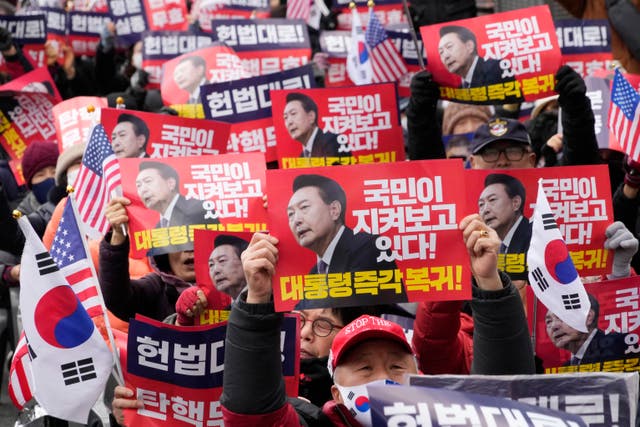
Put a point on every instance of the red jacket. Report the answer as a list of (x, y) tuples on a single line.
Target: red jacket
[(443, 338), (287, 416)]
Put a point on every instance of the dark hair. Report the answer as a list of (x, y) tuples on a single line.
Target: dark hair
[(139, 126), (463, 33), (329, 190), (308, 104), (163, 169), (239, 245), (595, 307), (512, 186)]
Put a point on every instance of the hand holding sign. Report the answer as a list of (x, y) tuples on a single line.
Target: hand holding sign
[(482, 244), (259, 263)]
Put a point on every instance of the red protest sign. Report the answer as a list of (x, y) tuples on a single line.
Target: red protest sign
[(138, 134), (498, 58), (254, 136), (73, 121), (611, 343), (166, 15), (579, 196), (25, 117), (385, 233), (183, 75), (172, 197), (350, 125), (36, 81)]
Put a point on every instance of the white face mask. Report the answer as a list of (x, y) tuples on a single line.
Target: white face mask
[(136, 60), (71, 176), (356, 400)]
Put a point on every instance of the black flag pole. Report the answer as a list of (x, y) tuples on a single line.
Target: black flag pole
[(412, 30)]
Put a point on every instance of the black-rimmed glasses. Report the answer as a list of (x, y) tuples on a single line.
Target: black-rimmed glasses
[(320, 327)]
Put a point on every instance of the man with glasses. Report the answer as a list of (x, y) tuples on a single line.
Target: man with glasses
[(502, 144)]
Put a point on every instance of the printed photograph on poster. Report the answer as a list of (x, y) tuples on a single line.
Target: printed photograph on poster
[(580, 197), (138, 134), (498, 58), (611, 341), (172, 197), (368, 234), (350, 125)]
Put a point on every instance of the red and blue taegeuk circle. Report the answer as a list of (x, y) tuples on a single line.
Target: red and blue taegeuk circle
[(559, 263), (61, 320), (362, 403)]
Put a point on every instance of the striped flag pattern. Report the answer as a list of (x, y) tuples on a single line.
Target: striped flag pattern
[(387, 63), (624, 115), (298, 9), (99, 176), (20, 377), (70, 253)]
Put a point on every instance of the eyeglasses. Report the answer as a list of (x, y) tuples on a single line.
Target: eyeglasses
[(320, 327), (513, 154)]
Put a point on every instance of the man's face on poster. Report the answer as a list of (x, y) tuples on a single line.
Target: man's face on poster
[(562, 335), (455, 54), (225, 269), (312, 221), (188, 76), (154, 191), (125, 142), (497, 209), (299, 123)]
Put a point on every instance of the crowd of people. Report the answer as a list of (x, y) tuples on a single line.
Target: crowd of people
[(342, 347)]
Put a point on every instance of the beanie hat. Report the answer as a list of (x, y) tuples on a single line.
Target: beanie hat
[(454, 112), (37, 156), (69, 156)]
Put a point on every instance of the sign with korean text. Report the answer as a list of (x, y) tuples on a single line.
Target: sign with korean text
[(208, 10), (579, 196), (172, 197), (611, 343), (494, 59), (177, 371), (73, 121), (84, 29), (161, 135), (368, 234), (585, 44), (265, 45), (26, 29), (389, 12), (350, 125), (36, 81)]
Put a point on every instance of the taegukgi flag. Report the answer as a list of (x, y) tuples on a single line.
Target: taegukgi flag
[(552, 275), (70, 362), (359, 66)]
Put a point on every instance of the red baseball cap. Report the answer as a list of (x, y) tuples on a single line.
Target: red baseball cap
[(364, 328)]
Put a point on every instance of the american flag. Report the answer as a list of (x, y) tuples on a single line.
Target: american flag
[(70, 253), (20, 377), (387, 63), (624, 115), (299, 9), (99, 176)]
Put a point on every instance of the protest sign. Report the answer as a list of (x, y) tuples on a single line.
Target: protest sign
[(172, 197), (350, 125), (247, 104), (134, 17), (585, 44), (265, 45), (163, 135), (494, 59), (600, 399), (24, 118), (36, 81), (73, 121), (161, 46), (400, 239), (613, 343), (177, 371), (84, 30), (579, 196), (389, 12), (182, 76), (26, 29), (393, 405), (208, 10)]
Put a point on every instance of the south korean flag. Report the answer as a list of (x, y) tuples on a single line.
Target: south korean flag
[(552, 275)]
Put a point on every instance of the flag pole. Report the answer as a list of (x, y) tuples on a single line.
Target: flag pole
[(412, 31), (114, 349)]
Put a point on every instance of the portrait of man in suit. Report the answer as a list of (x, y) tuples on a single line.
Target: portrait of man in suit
[(225, 265), (501, 206), (158, 186), (458, 48), (130, 136), (316, 213), (301, 120), (189, 75), (586, 347)]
